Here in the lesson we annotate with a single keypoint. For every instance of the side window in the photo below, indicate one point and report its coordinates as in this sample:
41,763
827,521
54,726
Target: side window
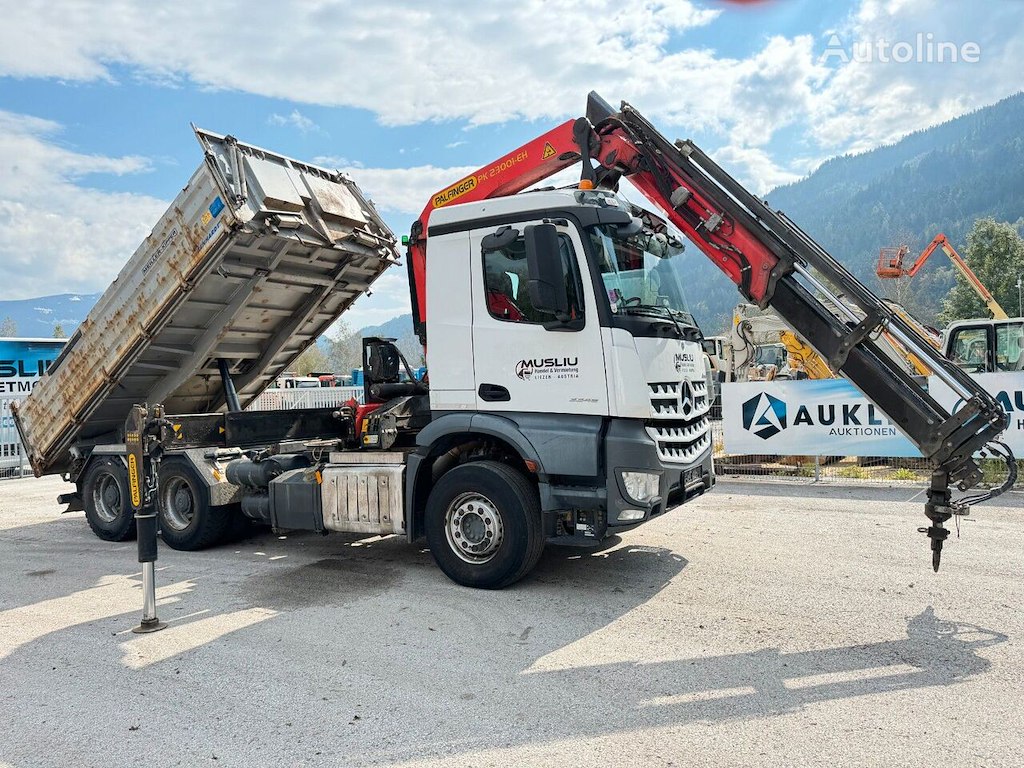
506,283
970,349
1009,343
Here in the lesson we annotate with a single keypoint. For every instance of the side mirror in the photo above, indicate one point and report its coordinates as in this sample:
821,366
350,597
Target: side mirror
634,227
544,267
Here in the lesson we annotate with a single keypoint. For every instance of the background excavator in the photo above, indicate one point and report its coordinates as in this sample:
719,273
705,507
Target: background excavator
762,347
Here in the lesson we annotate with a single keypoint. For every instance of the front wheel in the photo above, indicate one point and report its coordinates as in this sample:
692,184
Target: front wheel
187,521
483,525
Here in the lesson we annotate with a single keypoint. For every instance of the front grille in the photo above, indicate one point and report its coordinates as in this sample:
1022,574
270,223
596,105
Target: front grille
679,425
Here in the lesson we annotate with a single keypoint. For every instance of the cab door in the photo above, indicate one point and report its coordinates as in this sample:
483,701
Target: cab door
970,347
523,361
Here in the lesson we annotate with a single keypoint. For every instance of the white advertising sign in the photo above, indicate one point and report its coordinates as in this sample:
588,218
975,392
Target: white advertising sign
1007,389
831,417
827,417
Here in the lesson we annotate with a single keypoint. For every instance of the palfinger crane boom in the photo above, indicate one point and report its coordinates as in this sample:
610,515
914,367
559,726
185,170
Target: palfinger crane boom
890,267
774,264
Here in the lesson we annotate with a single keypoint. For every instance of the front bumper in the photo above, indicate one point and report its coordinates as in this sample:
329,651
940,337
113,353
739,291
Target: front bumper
628,447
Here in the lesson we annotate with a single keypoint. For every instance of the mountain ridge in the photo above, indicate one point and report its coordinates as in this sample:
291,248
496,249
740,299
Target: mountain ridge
38,317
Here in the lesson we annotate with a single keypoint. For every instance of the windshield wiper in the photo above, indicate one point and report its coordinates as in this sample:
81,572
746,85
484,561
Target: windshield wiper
690,332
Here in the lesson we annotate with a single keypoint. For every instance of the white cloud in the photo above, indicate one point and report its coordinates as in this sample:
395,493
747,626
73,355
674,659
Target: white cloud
867,103
405,190
481,62
753,166
336,161
486,63
57,236
294,119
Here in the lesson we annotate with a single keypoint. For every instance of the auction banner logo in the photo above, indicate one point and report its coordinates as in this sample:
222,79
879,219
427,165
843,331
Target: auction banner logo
1008,390
764,415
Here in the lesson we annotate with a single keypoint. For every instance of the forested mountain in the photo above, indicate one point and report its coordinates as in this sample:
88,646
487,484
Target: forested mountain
937,180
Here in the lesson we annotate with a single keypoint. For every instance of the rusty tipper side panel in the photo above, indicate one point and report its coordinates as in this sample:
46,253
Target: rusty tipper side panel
253,260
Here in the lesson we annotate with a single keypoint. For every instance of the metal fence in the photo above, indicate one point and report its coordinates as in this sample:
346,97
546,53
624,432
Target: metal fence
310,397
869,470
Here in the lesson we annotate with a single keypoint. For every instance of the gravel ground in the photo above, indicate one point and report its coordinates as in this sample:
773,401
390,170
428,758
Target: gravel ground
760,625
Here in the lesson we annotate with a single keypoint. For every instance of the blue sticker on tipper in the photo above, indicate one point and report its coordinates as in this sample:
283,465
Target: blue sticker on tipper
216,206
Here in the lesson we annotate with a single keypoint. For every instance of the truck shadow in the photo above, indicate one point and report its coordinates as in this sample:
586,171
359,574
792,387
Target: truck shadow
575,595
766,682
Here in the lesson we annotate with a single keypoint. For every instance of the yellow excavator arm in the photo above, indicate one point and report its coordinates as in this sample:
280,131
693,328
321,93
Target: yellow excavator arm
801,356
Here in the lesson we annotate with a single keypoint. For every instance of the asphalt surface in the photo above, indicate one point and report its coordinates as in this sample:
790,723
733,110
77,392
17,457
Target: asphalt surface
760,625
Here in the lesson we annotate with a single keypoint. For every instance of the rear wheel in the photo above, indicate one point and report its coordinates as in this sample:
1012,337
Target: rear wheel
107,502
187,521
483,525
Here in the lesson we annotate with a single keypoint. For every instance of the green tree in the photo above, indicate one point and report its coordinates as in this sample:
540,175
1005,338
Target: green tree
313,359
345,348
8,327
58,331
995,253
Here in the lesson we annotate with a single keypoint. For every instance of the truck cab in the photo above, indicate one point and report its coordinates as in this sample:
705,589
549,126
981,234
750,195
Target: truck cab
559,324
985,346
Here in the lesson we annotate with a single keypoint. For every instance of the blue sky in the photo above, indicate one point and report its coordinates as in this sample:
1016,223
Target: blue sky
96,98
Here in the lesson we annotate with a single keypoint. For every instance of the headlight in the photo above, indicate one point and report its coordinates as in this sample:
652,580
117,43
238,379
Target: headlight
641,487
709,379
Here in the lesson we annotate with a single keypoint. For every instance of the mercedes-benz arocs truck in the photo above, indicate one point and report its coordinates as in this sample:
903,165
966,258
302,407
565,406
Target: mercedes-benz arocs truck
566,397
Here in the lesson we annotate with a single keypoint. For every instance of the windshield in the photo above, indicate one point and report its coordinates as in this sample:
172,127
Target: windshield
770,354
642,272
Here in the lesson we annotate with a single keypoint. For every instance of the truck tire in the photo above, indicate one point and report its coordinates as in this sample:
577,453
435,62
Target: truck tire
107,502
187,521
483,525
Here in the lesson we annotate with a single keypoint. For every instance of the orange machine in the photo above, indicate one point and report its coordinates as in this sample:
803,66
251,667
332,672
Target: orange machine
890,265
